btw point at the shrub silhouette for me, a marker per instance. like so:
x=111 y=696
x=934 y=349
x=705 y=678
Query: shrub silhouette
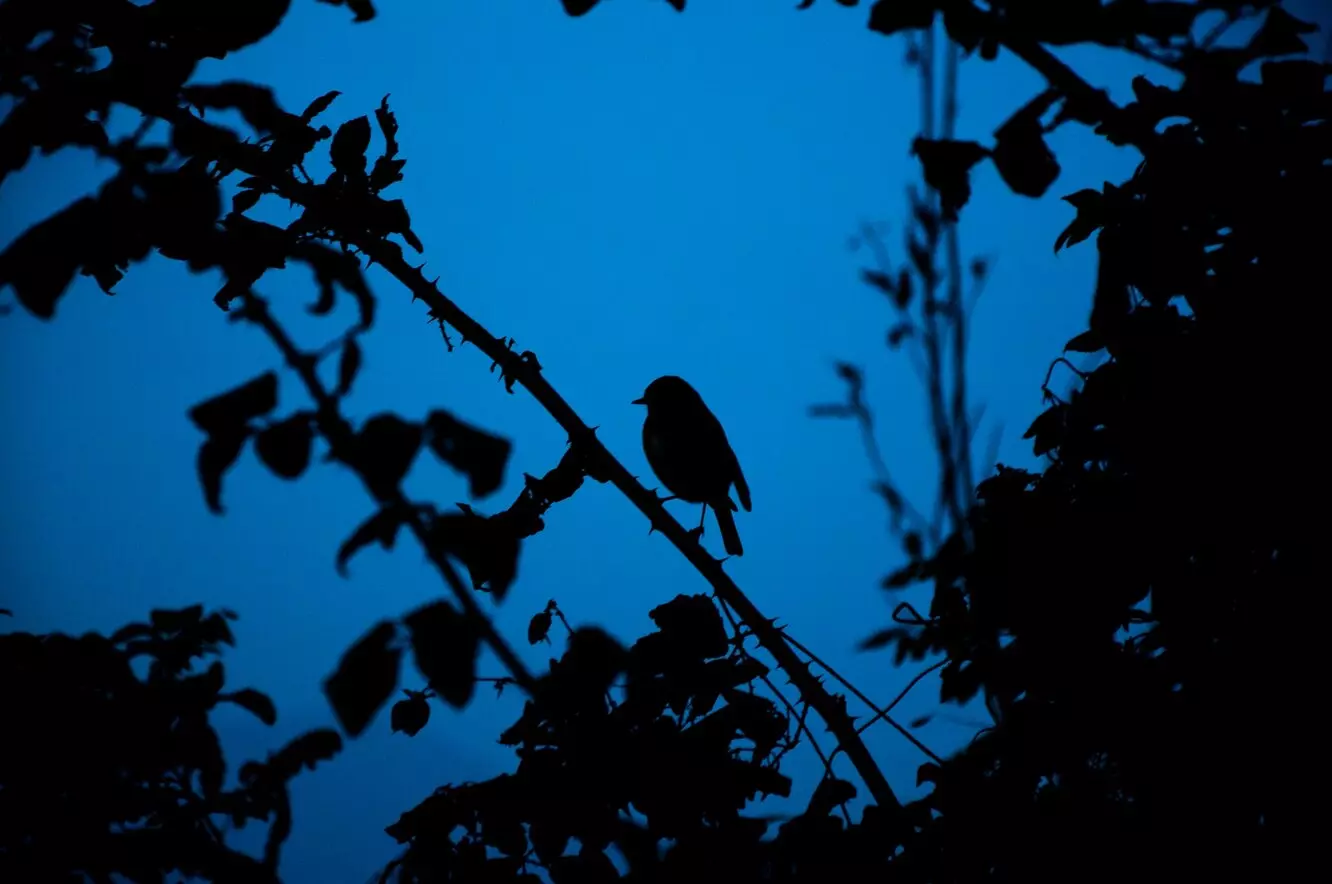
x=1113 y=608
x=111 y=767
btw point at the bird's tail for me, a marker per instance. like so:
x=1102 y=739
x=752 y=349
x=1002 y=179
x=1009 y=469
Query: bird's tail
x=730 y=536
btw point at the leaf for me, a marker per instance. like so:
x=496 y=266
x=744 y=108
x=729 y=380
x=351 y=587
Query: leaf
x=230 y=411
x=489 y=547
x=899 y=333
x=305 y=752
x=245 y=200
x=41 y=263
x=348 y=365
x=1280 y=34
x=445 y=644
x=381 y=528
x=888 y=17
x=411 y=715
x=880 y=639
x=332 y=270
x=319 y=105
x=921 y=721
x=349 y=146
x=365 y=678
x=947 y=166
x=284 y=447
x=1022 y=157
x=257 y=704
x=216 y=456
x=575 y=8
x=881 y=281
x=1087 y=342
x=480 y=455
x=386 y=446
x=1047 y=429
x=904 y=576
x=538 y=628
x=692 y=623
x=1089 y=204
x=386 y=171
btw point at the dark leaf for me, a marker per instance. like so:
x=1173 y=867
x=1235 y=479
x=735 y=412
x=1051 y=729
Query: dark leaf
x=306 y=751
x=1090 y=217
x=489 y=547
x=538 y=628
x=349 y=146
x=319 y=105
x=216 y=456
x=365 y=678
x=692 y=623
x=41 y=263
x=284 y=447
x=480 y=455
x=1280 y=34
x=881 y=281
x=386 y=171
x=445 y=644
x=381 y=528
x=947 y=166
x=245 y=200
x=254 y=702
x=386 y=446
x=1022 y=157
x=921 y=721
x=880 y=639
x=231 y=411
x=1087 y=342
x=899 y=333
x=410 y=715
x=334 y=269
x=1046 y=430
x=576 y=8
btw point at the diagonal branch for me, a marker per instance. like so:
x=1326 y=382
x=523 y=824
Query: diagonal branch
x=520 y=369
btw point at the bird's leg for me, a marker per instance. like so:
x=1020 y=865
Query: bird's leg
x=696 y=533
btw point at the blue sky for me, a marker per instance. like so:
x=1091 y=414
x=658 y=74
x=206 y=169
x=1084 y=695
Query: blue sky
x=629 y=194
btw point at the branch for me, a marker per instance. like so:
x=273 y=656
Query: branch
x=528 y=374
x=523 y=370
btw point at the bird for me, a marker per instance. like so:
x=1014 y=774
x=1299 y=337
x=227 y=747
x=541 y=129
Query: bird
x=689 y=452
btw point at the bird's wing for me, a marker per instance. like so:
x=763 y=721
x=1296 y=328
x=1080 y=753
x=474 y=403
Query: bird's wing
x=741 y=486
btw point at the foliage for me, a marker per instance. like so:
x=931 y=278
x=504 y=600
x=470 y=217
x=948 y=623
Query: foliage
x=1110 y=607
x=110 y=766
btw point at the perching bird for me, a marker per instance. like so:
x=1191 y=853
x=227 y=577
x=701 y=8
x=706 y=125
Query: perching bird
x=688 y=450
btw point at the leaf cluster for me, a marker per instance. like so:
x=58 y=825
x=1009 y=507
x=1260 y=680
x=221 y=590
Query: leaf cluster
x=1118 y=608
x=110 y=767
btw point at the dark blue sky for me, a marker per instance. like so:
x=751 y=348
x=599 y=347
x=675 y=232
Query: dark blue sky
x=629 y=194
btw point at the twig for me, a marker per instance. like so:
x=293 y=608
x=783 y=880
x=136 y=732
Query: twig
x=879 y=713
x=790 y=707
x=902 y=694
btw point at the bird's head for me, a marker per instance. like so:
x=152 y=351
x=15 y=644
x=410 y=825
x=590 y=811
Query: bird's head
x=667 y=390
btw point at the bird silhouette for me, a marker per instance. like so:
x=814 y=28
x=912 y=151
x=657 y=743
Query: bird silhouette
x=688 y=450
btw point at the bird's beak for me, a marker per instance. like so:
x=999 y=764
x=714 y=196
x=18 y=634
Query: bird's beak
x=639 y=401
